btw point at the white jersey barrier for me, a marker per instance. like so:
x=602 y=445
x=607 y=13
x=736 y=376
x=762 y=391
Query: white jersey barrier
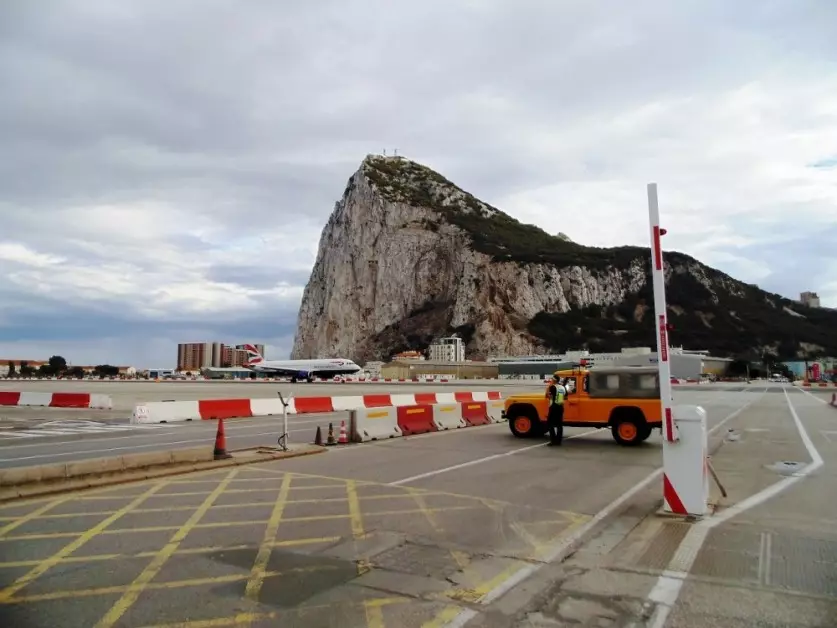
x=368 y=424
x=166 y=412
x=448 y=416
x=495 y=410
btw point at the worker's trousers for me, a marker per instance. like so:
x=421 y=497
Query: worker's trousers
x=555 y=423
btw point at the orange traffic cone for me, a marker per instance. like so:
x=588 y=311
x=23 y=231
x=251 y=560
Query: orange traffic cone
x=330 y=440
x=343 y=439
x=220 y=452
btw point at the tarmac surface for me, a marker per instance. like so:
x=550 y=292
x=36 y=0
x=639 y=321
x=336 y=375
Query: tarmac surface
x=418 y=531
x=31 y=436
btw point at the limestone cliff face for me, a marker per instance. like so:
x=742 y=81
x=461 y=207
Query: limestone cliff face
x=398 y=265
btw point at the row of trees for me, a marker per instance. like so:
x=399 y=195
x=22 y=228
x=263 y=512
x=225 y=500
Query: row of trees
x=57 y=366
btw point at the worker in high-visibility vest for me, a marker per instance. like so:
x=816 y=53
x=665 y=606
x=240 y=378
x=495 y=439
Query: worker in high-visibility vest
x=556 y=393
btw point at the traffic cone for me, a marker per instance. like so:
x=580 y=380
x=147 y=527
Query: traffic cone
x=318 y=439
x=330 y=440
x=343 y=439
x=220 y=452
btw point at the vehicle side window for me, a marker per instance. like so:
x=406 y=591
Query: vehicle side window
x=586 y=384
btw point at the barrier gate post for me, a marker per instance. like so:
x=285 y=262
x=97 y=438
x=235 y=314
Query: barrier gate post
x=685 y=479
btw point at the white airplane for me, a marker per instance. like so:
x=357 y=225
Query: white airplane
x=299 y=369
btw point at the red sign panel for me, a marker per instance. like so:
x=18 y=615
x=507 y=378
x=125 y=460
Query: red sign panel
x=663 y=340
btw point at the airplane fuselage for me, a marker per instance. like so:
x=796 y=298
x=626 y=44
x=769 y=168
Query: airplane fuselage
x=306 y=369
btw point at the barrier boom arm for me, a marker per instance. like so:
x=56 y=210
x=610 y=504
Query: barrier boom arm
x=670 y=432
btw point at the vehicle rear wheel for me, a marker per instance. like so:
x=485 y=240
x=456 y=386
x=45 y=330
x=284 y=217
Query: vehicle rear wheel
x=525 y=424
x=629 y=431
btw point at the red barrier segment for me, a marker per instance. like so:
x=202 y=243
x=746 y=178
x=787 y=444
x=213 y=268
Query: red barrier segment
x=425 y=399
x=415 y=420
x=459 y=397
x=224 y=408
x=312 y=405
x=8 y=398
x=70 y=400
x=377 y=401
x=494 y=394
x=475 y=413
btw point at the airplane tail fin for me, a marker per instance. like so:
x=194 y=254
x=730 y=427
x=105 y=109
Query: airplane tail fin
x=253 y=354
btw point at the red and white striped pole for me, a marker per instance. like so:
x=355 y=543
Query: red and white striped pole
x=685 y=483
x=661 y=316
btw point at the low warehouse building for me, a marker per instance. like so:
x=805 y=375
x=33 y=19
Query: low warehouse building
x=407 y=369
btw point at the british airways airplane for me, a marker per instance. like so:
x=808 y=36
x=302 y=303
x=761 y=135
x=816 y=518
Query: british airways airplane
x=299 y=369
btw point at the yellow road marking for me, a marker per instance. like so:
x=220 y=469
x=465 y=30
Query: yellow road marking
x=446 y=615
x=7 y=593
x=374 y=615
x=191 y=550
x=354 y=510
x=475 y=593
x=257 y=573
x=35 y=514
x=224 y=524
x=461 y=558
x=102 y=513
x=484 y=500
x=154 y=586
x=194 y=493
x=150 y=572
x=244 y=618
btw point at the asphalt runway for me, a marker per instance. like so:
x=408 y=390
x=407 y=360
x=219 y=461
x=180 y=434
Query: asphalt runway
x=401 y=533
x=21 y=423
x=46 y=435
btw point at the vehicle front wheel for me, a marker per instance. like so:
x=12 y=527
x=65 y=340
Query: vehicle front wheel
x=525 y=425
x=629 y=432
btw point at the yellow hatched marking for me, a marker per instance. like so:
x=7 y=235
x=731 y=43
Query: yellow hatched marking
x=245 y=618
x=354 y=510
x=35 y=514
x=374 y=615
x=155 y=586
x=461 y=558
x=150 y=572
x=259 y=569
x=192 y=550
x=7 y=593
x=445 y=616
x=224 y=524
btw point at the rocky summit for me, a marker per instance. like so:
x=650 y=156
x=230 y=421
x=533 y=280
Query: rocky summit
x=407 y=256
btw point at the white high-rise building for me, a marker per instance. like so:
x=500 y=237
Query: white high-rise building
x=447 y=350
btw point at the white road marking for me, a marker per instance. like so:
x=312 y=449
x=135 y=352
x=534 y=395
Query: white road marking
x=480 y=460
x=670 y=583
x=558 y=549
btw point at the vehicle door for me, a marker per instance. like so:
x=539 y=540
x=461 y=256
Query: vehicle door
x=571 y=402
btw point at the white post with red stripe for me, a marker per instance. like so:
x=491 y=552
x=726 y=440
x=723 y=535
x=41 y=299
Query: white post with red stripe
x=685 y=483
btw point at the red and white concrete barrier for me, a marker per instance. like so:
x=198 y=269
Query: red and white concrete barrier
x=56 y=400
x=204 y=409
x=367 y=424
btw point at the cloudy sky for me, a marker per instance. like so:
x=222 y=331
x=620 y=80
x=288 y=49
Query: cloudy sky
x=166 y=167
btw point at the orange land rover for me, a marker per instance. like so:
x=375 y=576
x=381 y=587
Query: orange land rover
x=624 y=399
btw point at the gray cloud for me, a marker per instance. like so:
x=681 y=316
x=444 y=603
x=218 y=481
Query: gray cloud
x=166 y=163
